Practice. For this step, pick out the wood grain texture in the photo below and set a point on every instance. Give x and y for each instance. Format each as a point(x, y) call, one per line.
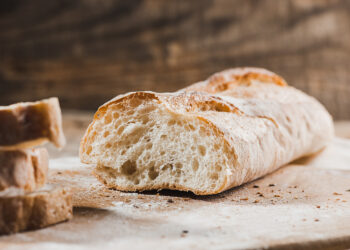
point(86, 52)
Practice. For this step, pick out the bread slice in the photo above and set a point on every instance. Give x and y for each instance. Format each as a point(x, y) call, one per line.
point(21, 211)
point(29, 124)
point(23, 169)
point(243, 124)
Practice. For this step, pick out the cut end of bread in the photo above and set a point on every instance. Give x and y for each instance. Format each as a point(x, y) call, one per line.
point(133, 149)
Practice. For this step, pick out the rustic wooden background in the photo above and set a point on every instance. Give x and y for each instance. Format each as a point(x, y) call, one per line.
point(88, 51)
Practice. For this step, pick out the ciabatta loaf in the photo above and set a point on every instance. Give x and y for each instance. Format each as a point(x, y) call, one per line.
point(21, 211)
point(236, 126)
point(29, 124)
point(23, 169)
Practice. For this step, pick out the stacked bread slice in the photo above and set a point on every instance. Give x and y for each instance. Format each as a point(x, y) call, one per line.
point(26, 202)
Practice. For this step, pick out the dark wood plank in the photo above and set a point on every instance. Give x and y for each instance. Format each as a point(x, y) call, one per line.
point(88, 51)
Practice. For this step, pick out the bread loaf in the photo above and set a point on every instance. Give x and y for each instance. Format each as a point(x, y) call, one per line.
point(237, 126)
point(29, 124)
point(23, 169)
point(21, 211)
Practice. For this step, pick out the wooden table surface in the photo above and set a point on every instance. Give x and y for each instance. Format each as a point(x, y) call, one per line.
point(307, 208)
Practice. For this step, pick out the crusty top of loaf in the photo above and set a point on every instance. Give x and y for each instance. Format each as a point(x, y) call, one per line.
point(231, 78)
point(219, 83)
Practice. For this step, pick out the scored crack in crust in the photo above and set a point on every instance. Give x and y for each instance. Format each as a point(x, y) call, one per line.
point(220, 133)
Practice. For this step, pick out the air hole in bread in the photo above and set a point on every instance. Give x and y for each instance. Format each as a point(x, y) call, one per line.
point(178, 165)
point(204, 108)
point(171, 122)
point(179, 123)
point(93, 135)
point(191, 127)
point(89, 149)
point(145, 119)
point(195, 165)
point(128, 167)
point(105, 134)
point(152, 173)
point(202, 131)
point(202, 150)
point(214, 176)
point(218, 168)
point(108, 119)
point(130, 112)
point(115, 115)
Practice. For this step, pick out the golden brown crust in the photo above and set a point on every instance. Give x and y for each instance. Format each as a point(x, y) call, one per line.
point(230, 79)
point(23, 169)
point(25, 125)
point(35, 210)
